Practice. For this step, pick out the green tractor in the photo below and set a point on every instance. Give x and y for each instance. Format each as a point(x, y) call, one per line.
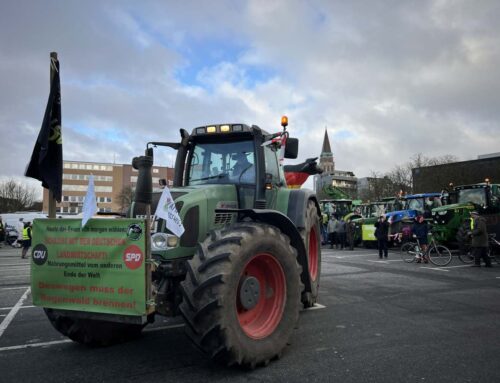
point(249, 257)
point(483, 197)
point(364, 229)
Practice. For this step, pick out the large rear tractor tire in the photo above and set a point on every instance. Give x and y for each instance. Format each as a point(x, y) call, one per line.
point(91, 332)
point(312, 243)
point(241, 294)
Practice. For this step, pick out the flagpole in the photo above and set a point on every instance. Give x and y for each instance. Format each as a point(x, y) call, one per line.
point(52, 201)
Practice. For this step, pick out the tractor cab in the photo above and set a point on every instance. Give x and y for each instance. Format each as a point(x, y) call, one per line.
point(483, 197)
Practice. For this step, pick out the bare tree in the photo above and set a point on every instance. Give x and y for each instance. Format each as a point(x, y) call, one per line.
point(401, 175)
point(125, 197)
point(15, 196)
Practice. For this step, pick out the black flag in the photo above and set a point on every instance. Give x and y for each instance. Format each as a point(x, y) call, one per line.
point(47, 159)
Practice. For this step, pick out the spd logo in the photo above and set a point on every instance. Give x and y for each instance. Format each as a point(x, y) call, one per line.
point(39, 254)
point(133, 257)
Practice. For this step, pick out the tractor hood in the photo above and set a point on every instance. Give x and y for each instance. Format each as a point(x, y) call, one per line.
point(399, 215)
point(453, 206)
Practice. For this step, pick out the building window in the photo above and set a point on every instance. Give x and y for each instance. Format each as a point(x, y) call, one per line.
point(83, 188)
point(156, 170)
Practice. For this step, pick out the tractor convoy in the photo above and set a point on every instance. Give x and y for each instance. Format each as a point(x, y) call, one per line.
point(249, 257)
point(448, 213)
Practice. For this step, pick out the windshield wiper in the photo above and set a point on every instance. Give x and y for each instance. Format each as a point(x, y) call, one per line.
point(221, 175)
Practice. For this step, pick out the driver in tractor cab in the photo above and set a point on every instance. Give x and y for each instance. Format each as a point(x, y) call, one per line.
point(243, 170)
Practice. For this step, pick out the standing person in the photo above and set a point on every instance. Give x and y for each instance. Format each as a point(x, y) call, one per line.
point(350, 229)
point(341, 232)
point(382, 235)
point(332, 230)
point(421, 231)
point(479, 240)
point(2, 232)
point(324, 231)
point(26, 239)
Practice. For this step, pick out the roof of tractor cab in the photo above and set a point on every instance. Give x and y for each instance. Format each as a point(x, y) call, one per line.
point(422, 195)
point(229, 130)
point(473, 186)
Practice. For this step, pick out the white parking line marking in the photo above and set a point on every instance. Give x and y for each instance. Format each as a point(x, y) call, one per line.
point(5, 323)
point(33, 345)
point(22, 307)
point(56, 342)
point(15, 264)
point(385, 261)
point(451, 267)
point(14, 288)
point(316, 306)
point(434, 268)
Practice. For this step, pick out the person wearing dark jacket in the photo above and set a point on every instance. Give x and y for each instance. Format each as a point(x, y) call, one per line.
point(479, 240)
point(2, 232)
point(382, 235)
point(421, 231)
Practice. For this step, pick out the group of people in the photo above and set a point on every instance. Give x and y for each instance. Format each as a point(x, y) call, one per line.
point(475, 232)
point(337, 232)
point(24, 231)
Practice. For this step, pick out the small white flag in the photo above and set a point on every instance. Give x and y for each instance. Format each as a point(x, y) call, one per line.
point(166, 210)
point(90, 204)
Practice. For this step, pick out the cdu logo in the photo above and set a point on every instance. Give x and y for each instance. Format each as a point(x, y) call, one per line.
point(40, 254)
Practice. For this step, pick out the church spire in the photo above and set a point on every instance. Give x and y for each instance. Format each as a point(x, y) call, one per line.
point(326, 145)
point(326, 160)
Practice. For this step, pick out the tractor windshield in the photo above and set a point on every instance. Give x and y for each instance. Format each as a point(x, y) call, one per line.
point(222, 163)
point(415, 204)
point(476, 196)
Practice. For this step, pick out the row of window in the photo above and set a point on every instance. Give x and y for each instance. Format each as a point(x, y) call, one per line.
point(83, 188)
point(85, 177)
point(82, 166)
point(73, 198)
point(155, 170)
point(134, 179)
point(78, 209)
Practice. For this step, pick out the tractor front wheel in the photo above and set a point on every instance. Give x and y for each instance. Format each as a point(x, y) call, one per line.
point(91, 332)
point(241, 295)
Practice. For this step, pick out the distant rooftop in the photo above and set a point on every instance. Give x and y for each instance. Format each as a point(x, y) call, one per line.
point(491, 155)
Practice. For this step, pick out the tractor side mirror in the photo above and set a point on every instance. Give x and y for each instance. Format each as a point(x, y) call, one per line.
point(292, 148)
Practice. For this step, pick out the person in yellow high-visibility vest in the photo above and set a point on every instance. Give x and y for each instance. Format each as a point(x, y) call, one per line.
point(26, 239)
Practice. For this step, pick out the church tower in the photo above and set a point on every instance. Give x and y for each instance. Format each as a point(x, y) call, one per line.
point(326, 160)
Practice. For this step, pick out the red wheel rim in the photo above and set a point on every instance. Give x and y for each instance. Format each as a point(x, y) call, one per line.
point(313, 254)
point(261, 320)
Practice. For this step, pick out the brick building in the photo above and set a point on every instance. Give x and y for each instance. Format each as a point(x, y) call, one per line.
point(109, 180)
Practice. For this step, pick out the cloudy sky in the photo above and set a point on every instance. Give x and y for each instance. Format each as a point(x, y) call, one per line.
point(388, 78)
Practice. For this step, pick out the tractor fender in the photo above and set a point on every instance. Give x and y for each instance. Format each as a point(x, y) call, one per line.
point(287, 227)
point(297, 205)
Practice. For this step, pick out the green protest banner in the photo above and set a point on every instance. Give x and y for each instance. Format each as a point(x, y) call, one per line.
point(99, 268)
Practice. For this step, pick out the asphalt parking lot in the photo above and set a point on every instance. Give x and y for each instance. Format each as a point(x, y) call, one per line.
point(378, 321)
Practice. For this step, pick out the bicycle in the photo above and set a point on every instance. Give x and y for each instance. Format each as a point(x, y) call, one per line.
point(438, 255)
point(493, 244)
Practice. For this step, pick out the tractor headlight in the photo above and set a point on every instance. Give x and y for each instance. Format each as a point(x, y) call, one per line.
point(163, 241)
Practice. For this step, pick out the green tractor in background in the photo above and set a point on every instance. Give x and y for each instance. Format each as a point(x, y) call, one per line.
point(249, 257)
point(448, 219)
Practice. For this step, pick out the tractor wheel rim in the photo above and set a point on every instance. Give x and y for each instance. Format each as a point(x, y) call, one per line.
point(262, 319)
point(313, 254)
